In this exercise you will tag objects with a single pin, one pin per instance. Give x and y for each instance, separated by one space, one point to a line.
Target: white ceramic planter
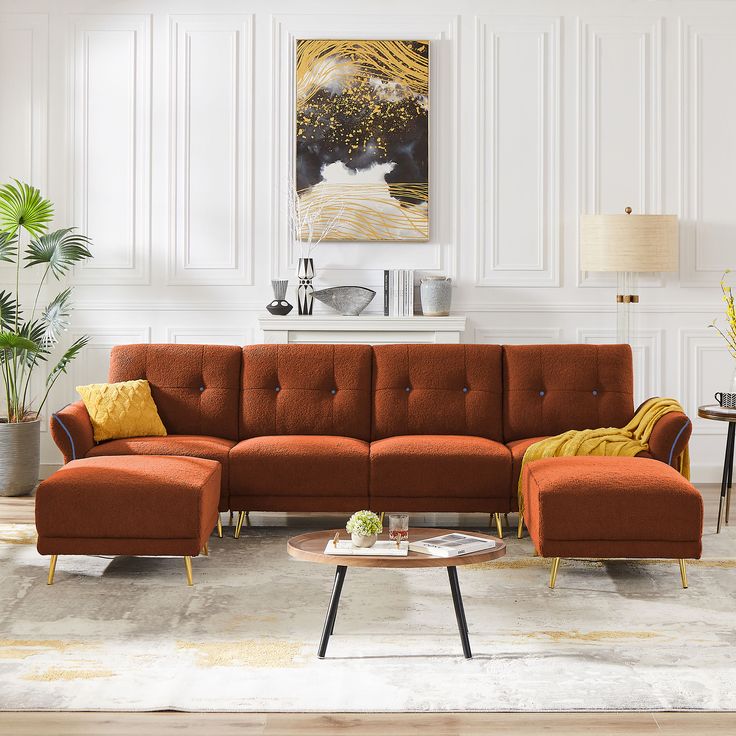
360 541
20 452
436 295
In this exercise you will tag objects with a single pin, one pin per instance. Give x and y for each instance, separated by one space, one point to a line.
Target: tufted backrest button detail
407 389
465 389
333 391
595 392
201 388
541 393
277 389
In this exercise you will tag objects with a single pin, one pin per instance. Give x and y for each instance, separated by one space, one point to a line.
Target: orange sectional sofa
392 427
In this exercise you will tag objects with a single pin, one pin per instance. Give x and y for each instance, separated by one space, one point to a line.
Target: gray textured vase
436 294
348 300
20 446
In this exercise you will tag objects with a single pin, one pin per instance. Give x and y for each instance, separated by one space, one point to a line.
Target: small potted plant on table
364 528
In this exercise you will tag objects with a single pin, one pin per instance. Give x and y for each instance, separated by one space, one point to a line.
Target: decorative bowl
348 300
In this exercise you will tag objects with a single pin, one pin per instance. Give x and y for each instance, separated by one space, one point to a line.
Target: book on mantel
398 293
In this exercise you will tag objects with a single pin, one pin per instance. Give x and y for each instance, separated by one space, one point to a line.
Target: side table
722 414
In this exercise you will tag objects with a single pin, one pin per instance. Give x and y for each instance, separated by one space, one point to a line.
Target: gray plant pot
20 454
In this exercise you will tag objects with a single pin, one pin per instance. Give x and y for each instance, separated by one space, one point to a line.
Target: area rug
128 634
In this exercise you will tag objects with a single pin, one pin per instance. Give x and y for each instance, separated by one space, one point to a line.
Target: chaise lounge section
393 427
611 507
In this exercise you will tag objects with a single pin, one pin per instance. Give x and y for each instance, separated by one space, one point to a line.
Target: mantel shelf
372 328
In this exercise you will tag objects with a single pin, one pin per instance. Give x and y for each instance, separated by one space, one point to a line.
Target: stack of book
398 293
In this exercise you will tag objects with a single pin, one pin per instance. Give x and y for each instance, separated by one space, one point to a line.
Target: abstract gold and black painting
362 139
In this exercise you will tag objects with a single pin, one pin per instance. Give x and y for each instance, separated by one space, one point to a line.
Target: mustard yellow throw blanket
627 441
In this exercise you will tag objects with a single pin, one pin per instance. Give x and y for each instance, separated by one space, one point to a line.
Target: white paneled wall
163 128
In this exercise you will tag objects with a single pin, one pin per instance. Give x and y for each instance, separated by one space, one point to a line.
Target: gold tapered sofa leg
381 517
683 573
520 532
241 519
188 567
553 572
219 526
206 550
499 529
52 570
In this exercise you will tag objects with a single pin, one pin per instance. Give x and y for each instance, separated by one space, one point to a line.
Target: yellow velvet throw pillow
119 410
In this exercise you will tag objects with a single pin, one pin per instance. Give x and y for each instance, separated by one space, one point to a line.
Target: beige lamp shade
628 243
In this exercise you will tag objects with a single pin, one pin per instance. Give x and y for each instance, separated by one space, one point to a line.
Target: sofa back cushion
196 387
306 389
437 389
549 389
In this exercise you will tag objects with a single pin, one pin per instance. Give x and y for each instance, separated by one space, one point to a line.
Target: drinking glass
398 527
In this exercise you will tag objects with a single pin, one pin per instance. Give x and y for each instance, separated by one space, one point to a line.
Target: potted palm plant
28 336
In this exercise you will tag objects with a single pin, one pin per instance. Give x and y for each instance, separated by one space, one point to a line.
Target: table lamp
628 244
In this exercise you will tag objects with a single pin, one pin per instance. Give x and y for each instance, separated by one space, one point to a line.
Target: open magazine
452 545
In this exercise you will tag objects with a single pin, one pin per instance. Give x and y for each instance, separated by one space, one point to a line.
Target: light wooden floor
386 724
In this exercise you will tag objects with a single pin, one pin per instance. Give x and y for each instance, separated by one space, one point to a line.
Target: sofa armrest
71 430
669 437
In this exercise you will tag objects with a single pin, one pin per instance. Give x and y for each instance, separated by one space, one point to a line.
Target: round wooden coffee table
723 414
311 548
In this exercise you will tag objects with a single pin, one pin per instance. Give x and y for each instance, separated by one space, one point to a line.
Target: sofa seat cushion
631 507
445 466
299 465
128 505
210 448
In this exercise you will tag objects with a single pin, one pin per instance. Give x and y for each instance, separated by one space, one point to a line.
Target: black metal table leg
457 600
332 610
727 471
334 619
730 481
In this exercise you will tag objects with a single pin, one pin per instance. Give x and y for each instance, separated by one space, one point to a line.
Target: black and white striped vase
305 290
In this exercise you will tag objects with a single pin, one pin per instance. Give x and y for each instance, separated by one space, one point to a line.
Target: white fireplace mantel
370 329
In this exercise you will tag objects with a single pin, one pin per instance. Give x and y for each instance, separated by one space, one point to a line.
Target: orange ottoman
129 505
604 507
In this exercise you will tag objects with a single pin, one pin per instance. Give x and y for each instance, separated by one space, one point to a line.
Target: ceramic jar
436 295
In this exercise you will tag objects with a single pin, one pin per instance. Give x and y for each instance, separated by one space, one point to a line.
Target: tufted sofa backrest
196 387
549 389
306 389
437 389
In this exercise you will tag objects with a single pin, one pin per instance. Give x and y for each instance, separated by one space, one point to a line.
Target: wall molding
647 96
203 335
26 163
518 335
467 308
694 33
545 34
235 170
696 346
128 240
